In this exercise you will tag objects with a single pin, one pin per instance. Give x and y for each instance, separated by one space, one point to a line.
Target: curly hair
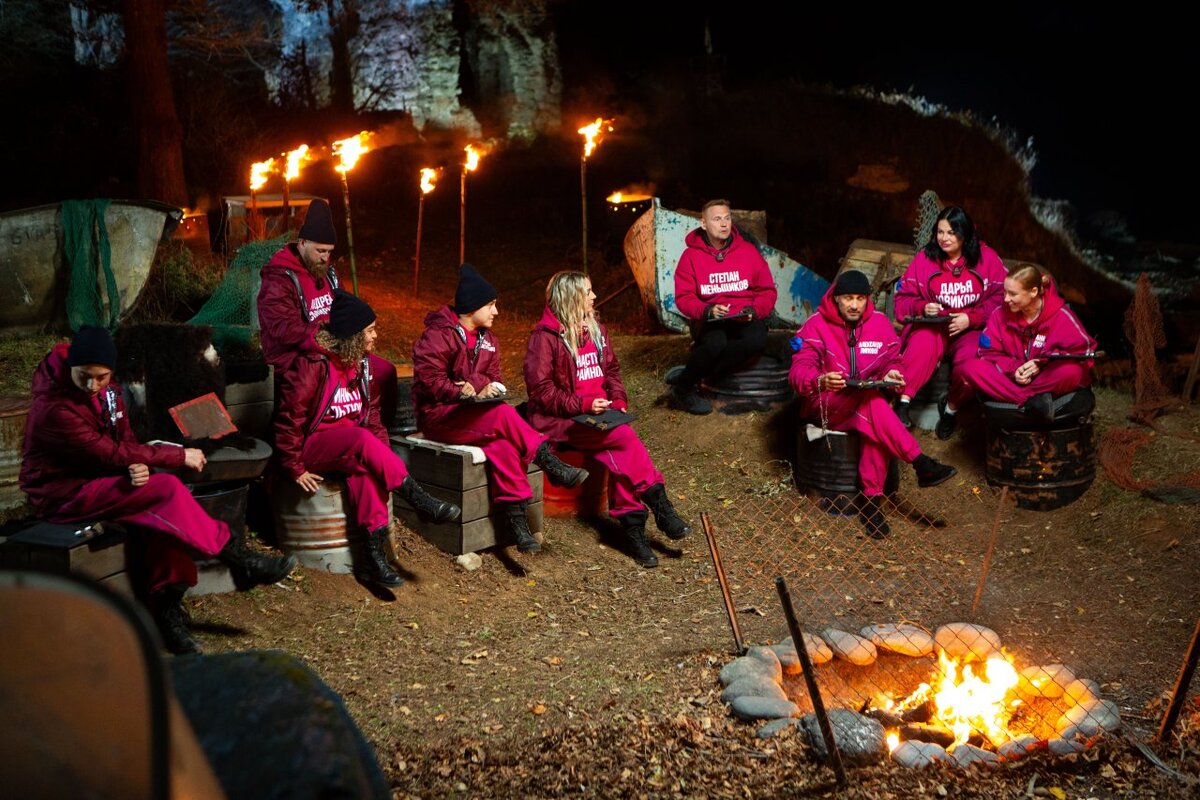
348 351
566 294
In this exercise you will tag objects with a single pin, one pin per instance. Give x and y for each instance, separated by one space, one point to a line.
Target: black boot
558 471
250 569
634 525
870 512
518 525
1040 407
166 606
904 413
373 568
931 472
427 506
688 399
665 516
947 423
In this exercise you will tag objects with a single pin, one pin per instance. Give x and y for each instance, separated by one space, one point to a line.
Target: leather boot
870 512
558 471
373 567
518 525
166 607
634 525
250 569
427 506
665 516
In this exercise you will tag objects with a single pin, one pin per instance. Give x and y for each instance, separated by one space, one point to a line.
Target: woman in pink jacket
456 363
954 284
848 341
328 423
1016 361
571 370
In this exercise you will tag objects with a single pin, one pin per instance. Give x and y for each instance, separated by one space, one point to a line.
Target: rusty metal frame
726 596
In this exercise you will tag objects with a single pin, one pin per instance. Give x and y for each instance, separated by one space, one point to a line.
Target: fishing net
232 310
92 296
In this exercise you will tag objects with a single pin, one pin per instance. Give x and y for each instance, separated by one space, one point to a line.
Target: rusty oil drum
588 499
1044 469
827 468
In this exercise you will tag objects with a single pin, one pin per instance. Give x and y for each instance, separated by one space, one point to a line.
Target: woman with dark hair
326 423
571 369
1015 363
951 288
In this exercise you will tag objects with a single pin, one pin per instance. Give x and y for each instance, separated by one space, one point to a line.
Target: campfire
634 198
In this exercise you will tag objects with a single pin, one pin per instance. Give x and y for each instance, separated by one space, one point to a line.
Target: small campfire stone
760 686
967 754
767 656
747 667
1018 748
788 659
853 648
961 639
1081 690
752 709
1064 747
907 640
1089 719
860 739
469 561
774 727
1047 681
818 651
918 755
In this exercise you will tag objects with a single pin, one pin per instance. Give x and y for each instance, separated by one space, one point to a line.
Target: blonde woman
571 370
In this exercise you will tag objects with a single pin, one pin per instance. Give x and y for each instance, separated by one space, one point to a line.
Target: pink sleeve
806 363
991 346
687 299
910 290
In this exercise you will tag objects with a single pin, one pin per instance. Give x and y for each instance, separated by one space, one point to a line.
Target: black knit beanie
92 345
851 282
318 224
473 291
348 315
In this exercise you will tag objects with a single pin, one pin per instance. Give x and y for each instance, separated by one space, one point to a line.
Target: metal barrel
589 499
13 411
313 527
1045 469
828 468
225 502
766 380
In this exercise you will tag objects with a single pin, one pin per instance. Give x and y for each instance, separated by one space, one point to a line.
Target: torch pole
349 232
252 217
583 205
287 205
462 217
417 257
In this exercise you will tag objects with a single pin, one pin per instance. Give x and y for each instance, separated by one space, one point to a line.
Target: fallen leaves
475 657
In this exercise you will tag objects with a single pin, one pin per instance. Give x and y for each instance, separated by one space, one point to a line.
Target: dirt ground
576 672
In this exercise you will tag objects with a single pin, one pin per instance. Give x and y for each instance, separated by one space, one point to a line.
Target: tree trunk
152 102
343 25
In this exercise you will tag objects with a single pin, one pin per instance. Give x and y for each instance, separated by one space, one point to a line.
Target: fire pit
955 695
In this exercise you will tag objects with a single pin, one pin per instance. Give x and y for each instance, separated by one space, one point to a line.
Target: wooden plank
457 538
96 558
475 503
253 419
118 582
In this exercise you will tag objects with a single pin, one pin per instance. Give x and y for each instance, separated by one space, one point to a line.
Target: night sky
1107 98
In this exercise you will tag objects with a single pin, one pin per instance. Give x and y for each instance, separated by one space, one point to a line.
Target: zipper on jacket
853 354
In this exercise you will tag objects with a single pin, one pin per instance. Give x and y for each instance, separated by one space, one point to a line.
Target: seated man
846 340
82 463
296 294
724 286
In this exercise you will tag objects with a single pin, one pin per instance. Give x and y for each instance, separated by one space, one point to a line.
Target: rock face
859 739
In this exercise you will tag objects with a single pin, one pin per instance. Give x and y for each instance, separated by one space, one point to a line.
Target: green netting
89 256
232 310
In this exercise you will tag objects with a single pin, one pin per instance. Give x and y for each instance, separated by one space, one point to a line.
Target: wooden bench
458 474
89 551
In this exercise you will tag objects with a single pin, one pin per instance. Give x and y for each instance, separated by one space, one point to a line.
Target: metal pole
349 232
709 534
810 680
1181 686
987 558
583 204
417 258
252 217
462 218
287 205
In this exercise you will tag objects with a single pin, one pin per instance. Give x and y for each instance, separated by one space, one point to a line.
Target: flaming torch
294 160
592 134
428 181
258 178
349 151
470 165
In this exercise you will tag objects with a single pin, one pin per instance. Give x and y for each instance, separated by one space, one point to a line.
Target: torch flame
258 173
295 160
593 133
473 156
350 150
428 179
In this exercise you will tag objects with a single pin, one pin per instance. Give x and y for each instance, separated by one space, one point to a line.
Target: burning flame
593 134
350 150
975 702
295 160
258 173
473 157
893 741
428 179
634 193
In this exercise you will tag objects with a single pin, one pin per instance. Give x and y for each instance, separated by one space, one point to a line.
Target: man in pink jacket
724 286
296 294
82 463
846 341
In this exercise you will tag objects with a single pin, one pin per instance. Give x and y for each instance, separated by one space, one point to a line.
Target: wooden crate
99 555
452 474
251 406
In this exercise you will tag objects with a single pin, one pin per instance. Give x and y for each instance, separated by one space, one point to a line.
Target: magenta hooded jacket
550 378
1009 341
72 438
737 275
440 357
975 291
286 326
823 344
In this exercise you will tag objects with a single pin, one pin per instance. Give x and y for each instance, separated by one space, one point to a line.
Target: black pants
721 348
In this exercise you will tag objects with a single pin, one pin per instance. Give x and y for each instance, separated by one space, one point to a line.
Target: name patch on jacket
345 402
587 367
870 348
318 307
963 291
722 282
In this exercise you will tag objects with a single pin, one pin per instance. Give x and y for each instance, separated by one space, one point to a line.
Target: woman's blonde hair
566 295
1030 277
349 351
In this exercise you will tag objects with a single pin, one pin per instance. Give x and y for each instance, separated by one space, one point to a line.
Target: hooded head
851 294
92 357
